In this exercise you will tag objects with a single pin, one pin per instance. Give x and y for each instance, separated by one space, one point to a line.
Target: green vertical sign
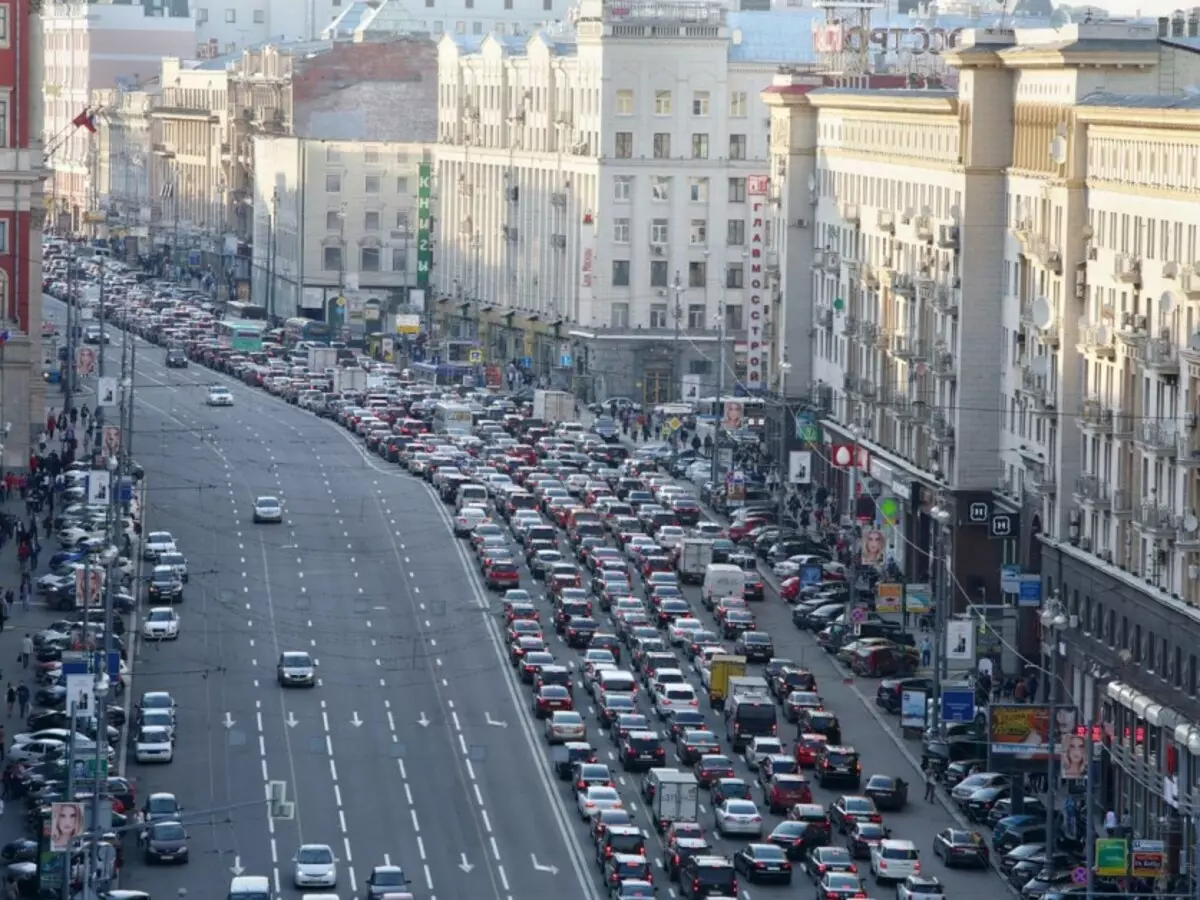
1112 857
424 224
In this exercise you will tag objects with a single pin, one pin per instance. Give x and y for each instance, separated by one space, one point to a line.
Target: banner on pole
89 586
85 362
106 391
81 696
98 486
112 442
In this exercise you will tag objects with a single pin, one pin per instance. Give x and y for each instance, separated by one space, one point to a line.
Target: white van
722 580
471 494
250 887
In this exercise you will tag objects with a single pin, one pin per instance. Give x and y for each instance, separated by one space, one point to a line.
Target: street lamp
942 518
1054 619
782 465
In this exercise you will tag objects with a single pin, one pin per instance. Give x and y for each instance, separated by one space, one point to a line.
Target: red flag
85 120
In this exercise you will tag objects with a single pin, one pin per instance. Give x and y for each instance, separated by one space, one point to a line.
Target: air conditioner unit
658 249
798 223
558 241
832 260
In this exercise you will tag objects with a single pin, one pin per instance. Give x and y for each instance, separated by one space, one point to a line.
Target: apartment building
95 46
602 191
363 20
124 161
1005 345
335 229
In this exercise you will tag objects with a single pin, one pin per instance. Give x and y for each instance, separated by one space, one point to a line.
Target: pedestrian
139 820
23 699
930 784
10 696
926 651
26 650
1110 823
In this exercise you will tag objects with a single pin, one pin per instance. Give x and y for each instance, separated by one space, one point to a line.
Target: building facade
602 195
334 229
124 160
366 20
1004 336
91 46
22 215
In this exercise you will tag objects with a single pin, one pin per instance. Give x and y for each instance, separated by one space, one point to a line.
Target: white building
334 228
599 187
226 26
365 20
94 46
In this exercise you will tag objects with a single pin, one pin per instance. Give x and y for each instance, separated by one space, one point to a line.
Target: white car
71 538
759 749
738 817
158 718
315 866
670 536
220 396
153 745
680 631
158 542
597 799
668 697
161 624
62 735
268 509
565 725
791 566
920 887
37 752
893 860
467 519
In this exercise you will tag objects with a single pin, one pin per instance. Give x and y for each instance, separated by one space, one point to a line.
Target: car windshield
166 577
171 559
389 878
163 805
627 843
858 805
161 615
296 659
155 735
842 759
314 855
170 832
267 501
842 882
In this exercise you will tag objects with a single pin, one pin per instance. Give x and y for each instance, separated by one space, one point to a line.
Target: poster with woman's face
874 547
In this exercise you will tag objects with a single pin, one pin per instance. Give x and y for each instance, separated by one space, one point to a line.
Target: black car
386 880
176 358
889 793
756 646
819 721
684 848
979 805
165 585
796 839
838 765
823 860
642 750
959 848
862 837
763 863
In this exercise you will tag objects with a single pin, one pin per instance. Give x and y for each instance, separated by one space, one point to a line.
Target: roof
1142 101
888 92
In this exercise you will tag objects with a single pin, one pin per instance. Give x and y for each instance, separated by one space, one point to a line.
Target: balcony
867 333
824 317
1048 337
868 276
1127 269
923 226
944 365
883 340
850 383
1095 416
1027 313
1189 283
1187 450
941 431
945 300
1133 330
907 347
902 285
1161 356
1041 481
1091 491
1157 438
1122 503
867 390
1157 521
850 326
1097 340
1187 539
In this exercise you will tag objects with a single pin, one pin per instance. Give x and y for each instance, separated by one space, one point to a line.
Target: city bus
241 335
452 418
246 312
301 329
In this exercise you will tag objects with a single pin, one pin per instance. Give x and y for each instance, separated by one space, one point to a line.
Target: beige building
94 46
124 160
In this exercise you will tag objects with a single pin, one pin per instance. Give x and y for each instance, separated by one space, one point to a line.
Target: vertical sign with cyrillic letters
424 224
757 349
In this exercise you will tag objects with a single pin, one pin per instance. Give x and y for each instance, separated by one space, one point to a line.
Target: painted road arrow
553 870
292 721
237 868
464 865
228 720
423 721
355 720
494 722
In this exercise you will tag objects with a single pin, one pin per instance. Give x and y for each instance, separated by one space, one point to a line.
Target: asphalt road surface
417 747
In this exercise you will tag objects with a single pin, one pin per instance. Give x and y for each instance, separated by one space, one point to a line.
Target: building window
429 4
476 28
699 146
698 234
737 190
369 260
662 145
3 237
548 5
333 182
658 273
333 153
402 220
618 316
332 260
470 4
662 103
696 316
700 103
372 184
622 187
508 4
371 156
734 275
737 105
658 315
201 16
624 147
660 232
698 190
660 187
333 220
737 146
5 131
620 273
399 259
260 16
625 102
460 27
621 231
402 185
698 274
733 317
371 221
735 232
230 16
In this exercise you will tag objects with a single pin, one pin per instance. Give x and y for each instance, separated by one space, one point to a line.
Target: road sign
475 357
1079 875
1030 594
858 615
1148 859
1003 525
958 703
979 512
75 662
807 428
1112 857
674 424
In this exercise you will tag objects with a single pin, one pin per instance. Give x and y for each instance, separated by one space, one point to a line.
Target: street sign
807 428
1148 859
958 703
475 357
858 615
1079 875
979 513
1003 525
1030 594
75 662
674 424
1112 857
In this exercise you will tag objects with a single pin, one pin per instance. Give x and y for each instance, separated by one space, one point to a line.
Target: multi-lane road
417 747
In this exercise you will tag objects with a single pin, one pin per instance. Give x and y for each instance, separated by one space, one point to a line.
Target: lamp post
1054 619
941 572
784 470
676 362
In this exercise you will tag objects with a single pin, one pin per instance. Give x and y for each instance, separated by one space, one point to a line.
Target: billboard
424 223
1019 735
836 37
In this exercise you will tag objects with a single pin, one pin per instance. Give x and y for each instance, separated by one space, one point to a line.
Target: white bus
452 418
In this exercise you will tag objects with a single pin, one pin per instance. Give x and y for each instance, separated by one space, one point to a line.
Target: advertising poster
1019 735
874 547
892 598
89 586
66 824
912 709
960 641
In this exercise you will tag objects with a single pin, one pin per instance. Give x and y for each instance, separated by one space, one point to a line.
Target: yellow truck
721 669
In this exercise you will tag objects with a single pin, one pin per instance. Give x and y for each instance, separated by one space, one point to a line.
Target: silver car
157 543
315 866
268 509
296 669
738 817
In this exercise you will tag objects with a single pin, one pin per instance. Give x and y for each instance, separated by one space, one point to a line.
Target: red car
808 748
789 589
551 698
738 531
785 791
713 767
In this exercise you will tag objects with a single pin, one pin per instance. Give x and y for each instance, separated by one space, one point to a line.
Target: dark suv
177 358
702 876
838 766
